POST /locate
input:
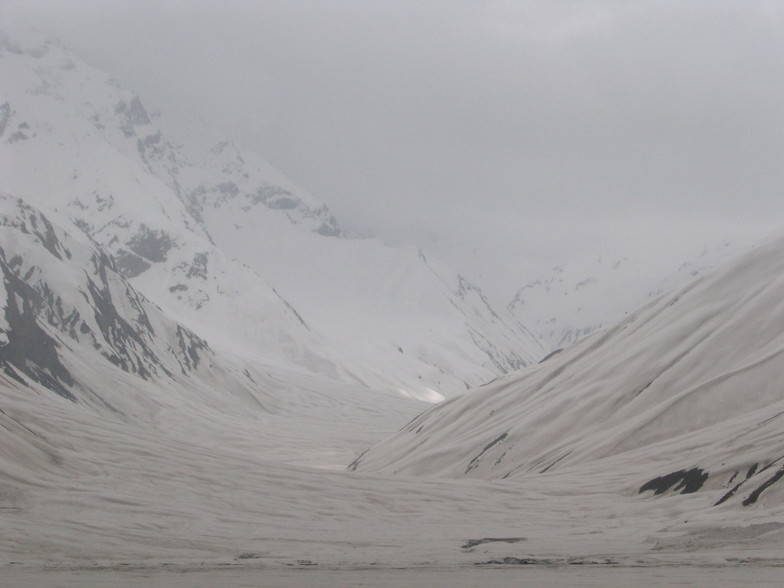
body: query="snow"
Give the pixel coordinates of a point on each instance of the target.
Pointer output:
(598, 289)
(689, 381)
(101, 493)
(238, 466)
(188, 416)
(235, 251)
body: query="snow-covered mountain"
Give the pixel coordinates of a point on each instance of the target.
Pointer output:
(683, 395)
(235, 251)
(155, 454)
(187, 350)
(594, 290)
(74, 328)
(68, 311)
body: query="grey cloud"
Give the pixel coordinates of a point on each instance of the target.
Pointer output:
(482, 129)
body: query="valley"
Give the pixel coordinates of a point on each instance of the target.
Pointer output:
(205, 378)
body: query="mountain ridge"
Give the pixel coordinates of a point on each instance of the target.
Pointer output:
(234, 250)
(595, 290)
(686, 383)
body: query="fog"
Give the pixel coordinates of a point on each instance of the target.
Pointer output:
(503, 136)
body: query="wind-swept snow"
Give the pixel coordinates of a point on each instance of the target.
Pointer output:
(92, 492)
(682, 396)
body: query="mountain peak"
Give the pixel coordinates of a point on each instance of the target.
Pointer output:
(248, 181)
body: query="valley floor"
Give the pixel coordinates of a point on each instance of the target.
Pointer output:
(93, 502)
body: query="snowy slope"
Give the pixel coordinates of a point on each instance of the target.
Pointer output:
(190, 471)
(74, 142)
(374, 304)
(236, 251)
(378, 305)
(683, 395)
(163, 409)
(595, 290)
(87, 494)
(72, 325)
(58, 292)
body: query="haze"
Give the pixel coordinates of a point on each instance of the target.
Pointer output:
(504, 137)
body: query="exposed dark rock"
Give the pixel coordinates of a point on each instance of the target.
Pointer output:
(34, 223)
(545, 561)
(36, 313)
(683, 480)
(549, 355)
(30, 349)
(352, 467)
(471, 543)
(136, 112)
(130, 265)
(555, 462)
(190, 347)
(133, 114)
(291, 309)
(126, 343)
(754, 496)
(329, 224)
(266, 192)
(475, 461)
(17, 136)
(153, 245)
(198, 268)
(5, 116)
(228, 189)
(283, 203)
(521, 561)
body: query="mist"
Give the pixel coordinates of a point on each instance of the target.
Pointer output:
(503, 137)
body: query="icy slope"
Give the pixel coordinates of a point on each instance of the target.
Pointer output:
(236, 251)
(686, 389)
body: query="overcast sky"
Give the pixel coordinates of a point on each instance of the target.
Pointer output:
(504, 136)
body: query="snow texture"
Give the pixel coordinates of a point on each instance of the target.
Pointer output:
(164, 408)
(683, 395)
